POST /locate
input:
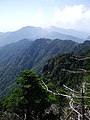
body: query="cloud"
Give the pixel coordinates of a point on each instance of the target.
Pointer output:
(69, 14)
(77, 16)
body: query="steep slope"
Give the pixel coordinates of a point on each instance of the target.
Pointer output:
(67, 69)
(82, 48)
(8, 56)
(43, 49)
(26, 55)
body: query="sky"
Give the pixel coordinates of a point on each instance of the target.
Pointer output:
(69, 14)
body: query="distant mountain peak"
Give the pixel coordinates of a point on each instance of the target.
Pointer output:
(31, 32)
(72, 32)
(30, 27)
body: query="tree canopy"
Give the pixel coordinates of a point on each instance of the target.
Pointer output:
(29, 100)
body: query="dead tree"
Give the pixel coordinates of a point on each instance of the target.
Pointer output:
(78, 110)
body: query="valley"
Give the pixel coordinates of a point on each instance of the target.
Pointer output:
(52, 63)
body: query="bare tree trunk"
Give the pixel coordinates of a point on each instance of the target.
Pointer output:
(25, 116)
(83, 109)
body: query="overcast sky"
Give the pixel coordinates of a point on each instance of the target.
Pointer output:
(72, 14)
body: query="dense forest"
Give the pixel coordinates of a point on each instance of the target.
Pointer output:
(44, 59)
(49, 95)
(27, 55)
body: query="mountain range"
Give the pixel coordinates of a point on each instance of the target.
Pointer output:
(58, 56)
(26, 55)
(32, 33)
(79, 34)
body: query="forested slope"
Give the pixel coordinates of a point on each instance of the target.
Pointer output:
(27, 55)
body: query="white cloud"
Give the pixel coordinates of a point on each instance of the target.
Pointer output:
(68, 15)
(72, 17)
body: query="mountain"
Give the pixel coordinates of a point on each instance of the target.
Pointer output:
(79, 34)
(68, 69)
(42, 49)
(61, 69)
(82, 47)
(26, 55)
(88, 38)
(4, 35)
(32, 33)
(27, 32)
(57, 35)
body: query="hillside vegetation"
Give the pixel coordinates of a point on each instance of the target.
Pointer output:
(27, 55)
(36, 96)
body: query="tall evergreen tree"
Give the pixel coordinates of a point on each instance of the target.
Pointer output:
(29, 100)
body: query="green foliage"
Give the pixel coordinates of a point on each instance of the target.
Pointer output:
(60, 67)
(29, 98)
(26, 55)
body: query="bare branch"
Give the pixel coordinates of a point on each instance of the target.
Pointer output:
(18, 116)
(71, 106)
(87, 117)
(68, 115)
(71, 97)
(54, 93)
(76, 72)
(70, 89)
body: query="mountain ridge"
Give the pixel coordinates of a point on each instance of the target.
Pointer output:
(72, 32)
(32, 33)
(24, 55)
(27, 55)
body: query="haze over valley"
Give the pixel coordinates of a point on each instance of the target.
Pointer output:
(33, 33)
